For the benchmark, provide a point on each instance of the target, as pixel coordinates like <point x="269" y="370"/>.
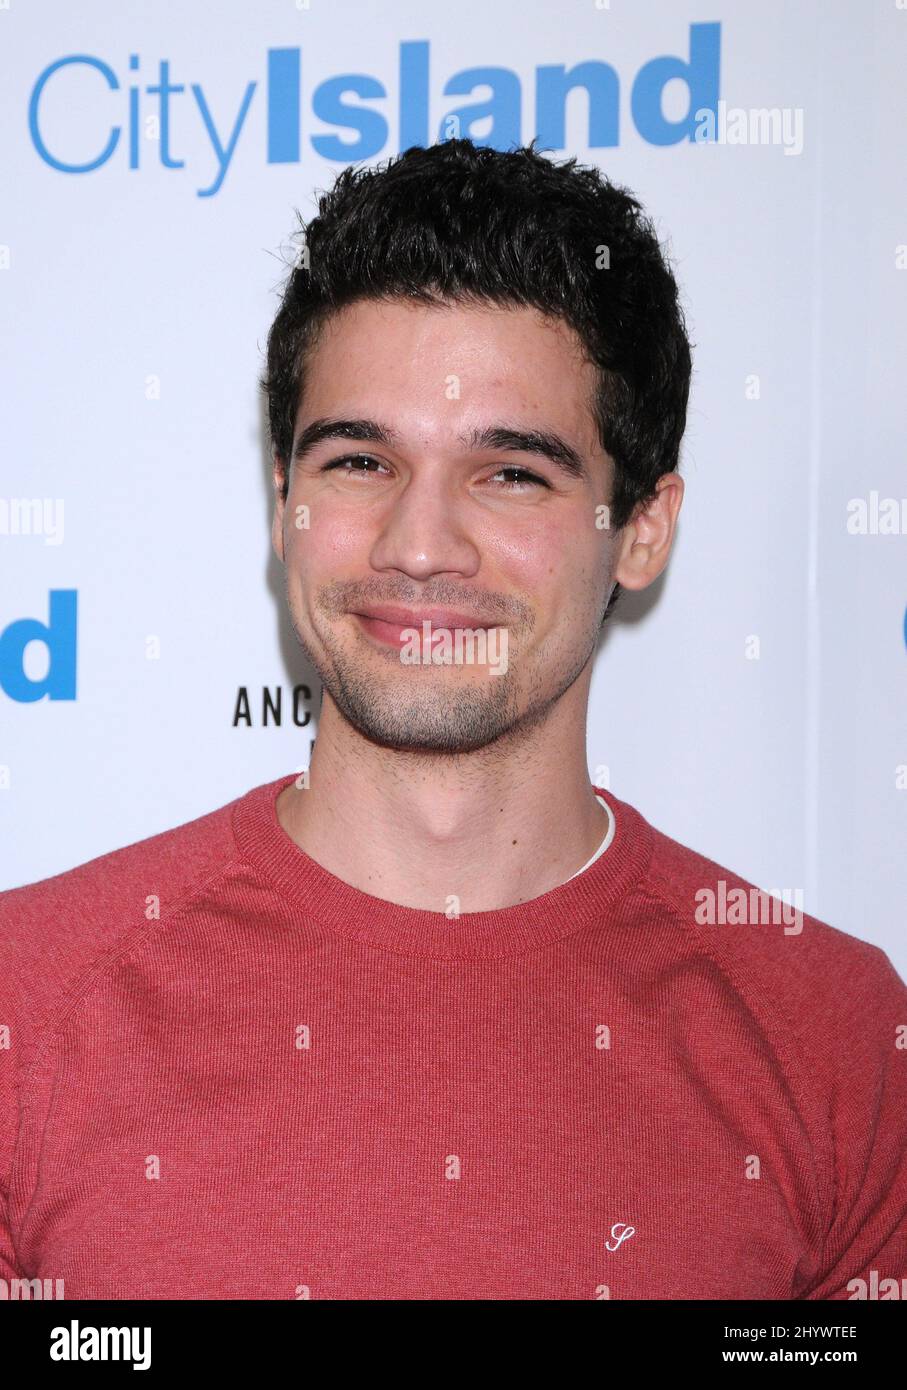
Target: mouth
<point x="394" y="628"/>
<point x="389" y="633"/>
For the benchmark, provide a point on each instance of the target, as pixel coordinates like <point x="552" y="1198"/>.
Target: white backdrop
<point x="135" y="305"/>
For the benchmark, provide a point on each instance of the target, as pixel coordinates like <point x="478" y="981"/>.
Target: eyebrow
<point x="544" y="443"/>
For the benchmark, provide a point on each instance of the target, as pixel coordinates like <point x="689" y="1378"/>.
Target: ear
<point x="278" y="476"/>
<point x="649" y="535"/>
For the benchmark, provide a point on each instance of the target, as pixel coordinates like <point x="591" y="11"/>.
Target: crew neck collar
<point x="319" y="895"/>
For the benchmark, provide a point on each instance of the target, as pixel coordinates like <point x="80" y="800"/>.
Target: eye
<point x="525" y="473"/>
<point x="521" y="477"/>
<point x="351" y="458"/>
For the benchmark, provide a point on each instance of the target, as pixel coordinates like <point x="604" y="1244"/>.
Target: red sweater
<point x="228" y="1074"/>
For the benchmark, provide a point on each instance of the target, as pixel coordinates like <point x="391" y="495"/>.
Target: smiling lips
<point x="389" y="624"/>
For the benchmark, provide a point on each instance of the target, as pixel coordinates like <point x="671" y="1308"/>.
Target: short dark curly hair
<point x="458" y="221"/>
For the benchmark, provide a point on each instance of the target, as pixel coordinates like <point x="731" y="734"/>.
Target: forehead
<point x="433" y="369"/>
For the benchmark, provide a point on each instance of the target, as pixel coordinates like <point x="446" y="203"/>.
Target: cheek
<point x="550" y="556"/>
<point x="324" y="547"/>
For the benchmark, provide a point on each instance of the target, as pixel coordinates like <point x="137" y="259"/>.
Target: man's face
<point x="430" y="518"/>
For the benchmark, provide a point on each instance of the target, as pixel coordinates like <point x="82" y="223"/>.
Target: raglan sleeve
<point x="9" y="1268"/>
<point x="22" y="946"/>
<point x="866" y="1242"/>
<point x="9" y="1092"/>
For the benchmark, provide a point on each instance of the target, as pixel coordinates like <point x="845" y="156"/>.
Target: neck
<point x="494" y="828"/>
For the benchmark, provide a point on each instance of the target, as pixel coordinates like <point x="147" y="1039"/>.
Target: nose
<point x="425" y="530"/>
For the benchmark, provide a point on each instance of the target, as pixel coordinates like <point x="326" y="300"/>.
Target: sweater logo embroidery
<point x="620" y="1232"/>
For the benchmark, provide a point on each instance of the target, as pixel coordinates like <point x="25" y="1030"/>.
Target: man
<point x="440" y="1020"/>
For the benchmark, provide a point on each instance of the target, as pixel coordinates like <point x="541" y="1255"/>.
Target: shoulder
<point x="56" y="931"/>
<point x="821" y="979"/>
